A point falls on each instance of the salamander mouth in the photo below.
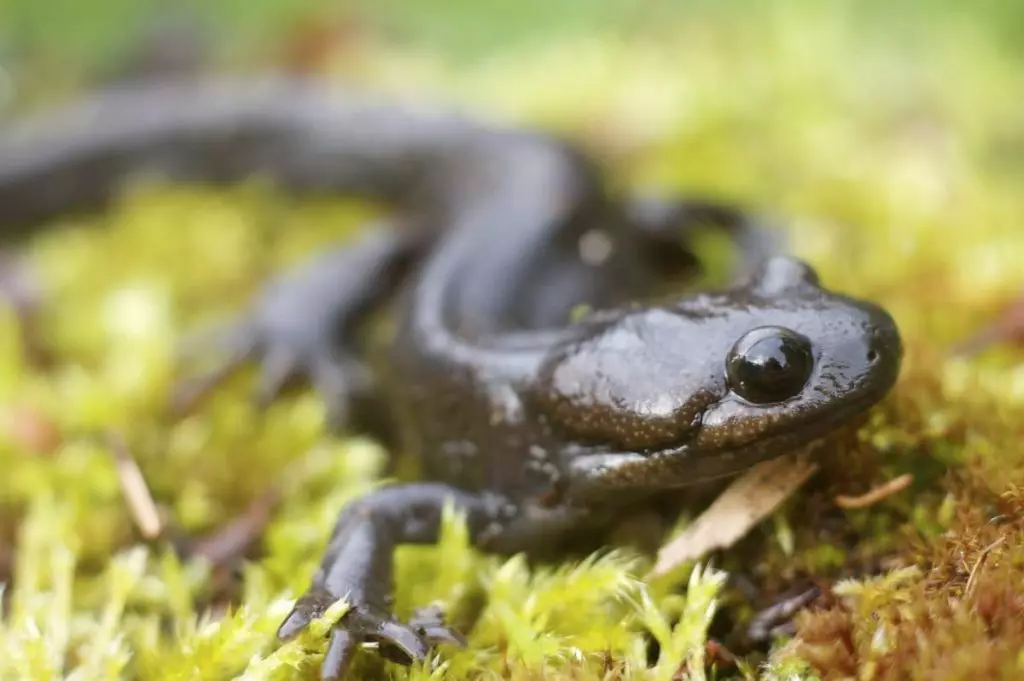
(689, 463)
(709, 465)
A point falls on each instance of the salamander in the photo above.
(539, 422)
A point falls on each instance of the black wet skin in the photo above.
(538, 428)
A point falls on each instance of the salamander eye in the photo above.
(769, 364)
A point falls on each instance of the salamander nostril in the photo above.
(872, 355)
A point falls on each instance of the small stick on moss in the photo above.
(777, 619)
(876, 494)
(717, 652)
(136, 492)
(1008, 327)
(982, 559)
(30, 428)
(229, 542)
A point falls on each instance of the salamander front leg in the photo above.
(303, 326)
(357, 566)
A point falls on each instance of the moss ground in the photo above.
(899, 153)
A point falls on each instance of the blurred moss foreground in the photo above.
(899, 152)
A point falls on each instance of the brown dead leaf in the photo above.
(747, 501)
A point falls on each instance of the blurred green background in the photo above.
(83, 37)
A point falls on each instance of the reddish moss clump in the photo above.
(958, 614)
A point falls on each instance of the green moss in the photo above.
(896, 159)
